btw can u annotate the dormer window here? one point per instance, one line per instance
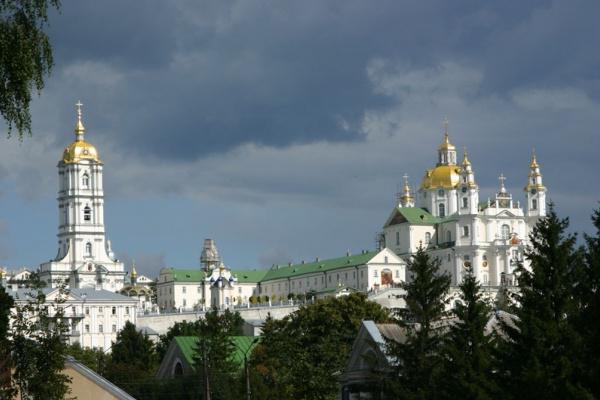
(87, 213)
(85, 181)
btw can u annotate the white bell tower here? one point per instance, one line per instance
(84, 257)
(535, 190)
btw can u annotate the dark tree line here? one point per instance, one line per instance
(546, 346)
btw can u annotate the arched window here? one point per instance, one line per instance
(178, 370)
(533, 204)
(427, 237)
(505, 231)
(442, 210)
(88, 249)
(85, 181)
(87, 213)
(465, 202)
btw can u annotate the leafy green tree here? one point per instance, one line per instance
(25, 58)
(37, 345)
(213, 359)
(467, 367)
(6, 303)
(540, 356)
(589, 294)
(418, 357)
(132, 361)
(95, 359)
(300, 356)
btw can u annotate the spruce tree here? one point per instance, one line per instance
(539, 356)
(418, 357)
(589, 324)
(467, 365)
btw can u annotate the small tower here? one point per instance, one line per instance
(210, 255)
(446, 151)
(503, 197)
(469, 191)
(535, 190)
(133, 274)
(406, 199)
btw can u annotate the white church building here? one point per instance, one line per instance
(450, 221)
(84, 258)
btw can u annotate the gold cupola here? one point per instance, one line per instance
(80, 149)
(446, 174)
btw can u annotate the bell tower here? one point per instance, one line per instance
(84, 257)
(535, 190)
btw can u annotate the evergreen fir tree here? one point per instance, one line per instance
(467, 365)
(418, 357)
(589, 324)
(539, 357)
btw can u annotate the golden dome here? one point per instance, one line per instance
(442, 176)
(446, 145)
(80, 150)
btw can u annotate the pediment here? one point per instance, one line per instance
(506, 214)
(395, 218)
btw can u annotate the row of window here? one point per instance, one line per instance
(100, 328)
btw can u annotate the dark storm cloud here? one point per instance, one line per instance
(201, 78)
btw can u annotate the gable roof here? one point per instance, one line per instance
(290, 271)
(187, 275)
(242, 344)
(412, 215)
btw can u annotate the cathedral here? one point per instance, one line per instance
(450, 221)
(84, 258)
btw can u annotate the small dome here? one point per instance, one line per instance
(80, 150)
(443, 177)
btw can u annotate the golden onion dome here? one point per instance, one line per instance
(80, 149)
(441, 177)
(446, 145)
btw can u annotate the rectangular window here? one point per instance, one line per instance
(87, 311)
(114, 328)
(465, 202)
(329, 278)
(184, 302)
(87, 328)
(465, 231)
(184, 288)
(199, 289)
(345, 276)
(375, 273)
(397, 273)
(100, 310)
(114, 311)
(240, 290)
(397, 238)
(100, 328)
(126, 310)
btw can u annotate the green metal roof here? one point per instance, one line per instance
(241, 344)
(417, 216)
(187, 275)
(250, 276)
(278, 272)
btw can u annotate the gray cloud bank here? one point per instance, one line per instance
(297, 105)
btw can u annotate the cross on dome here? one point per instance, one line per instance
(502, 178)
(79, 128)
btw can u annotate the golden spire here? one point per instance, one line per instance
(79, 128)
(406, 200)
(133, 271)
(446, 145)
(534, 163)
(466, 160)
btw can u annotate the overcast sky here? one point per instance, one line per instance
(282, 129)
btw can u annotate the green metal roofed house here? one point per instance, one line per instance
(179, 359)
(368, 271)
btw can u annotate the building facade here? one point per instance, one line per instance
(448, 219)
(84, 257)
(212, 286)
